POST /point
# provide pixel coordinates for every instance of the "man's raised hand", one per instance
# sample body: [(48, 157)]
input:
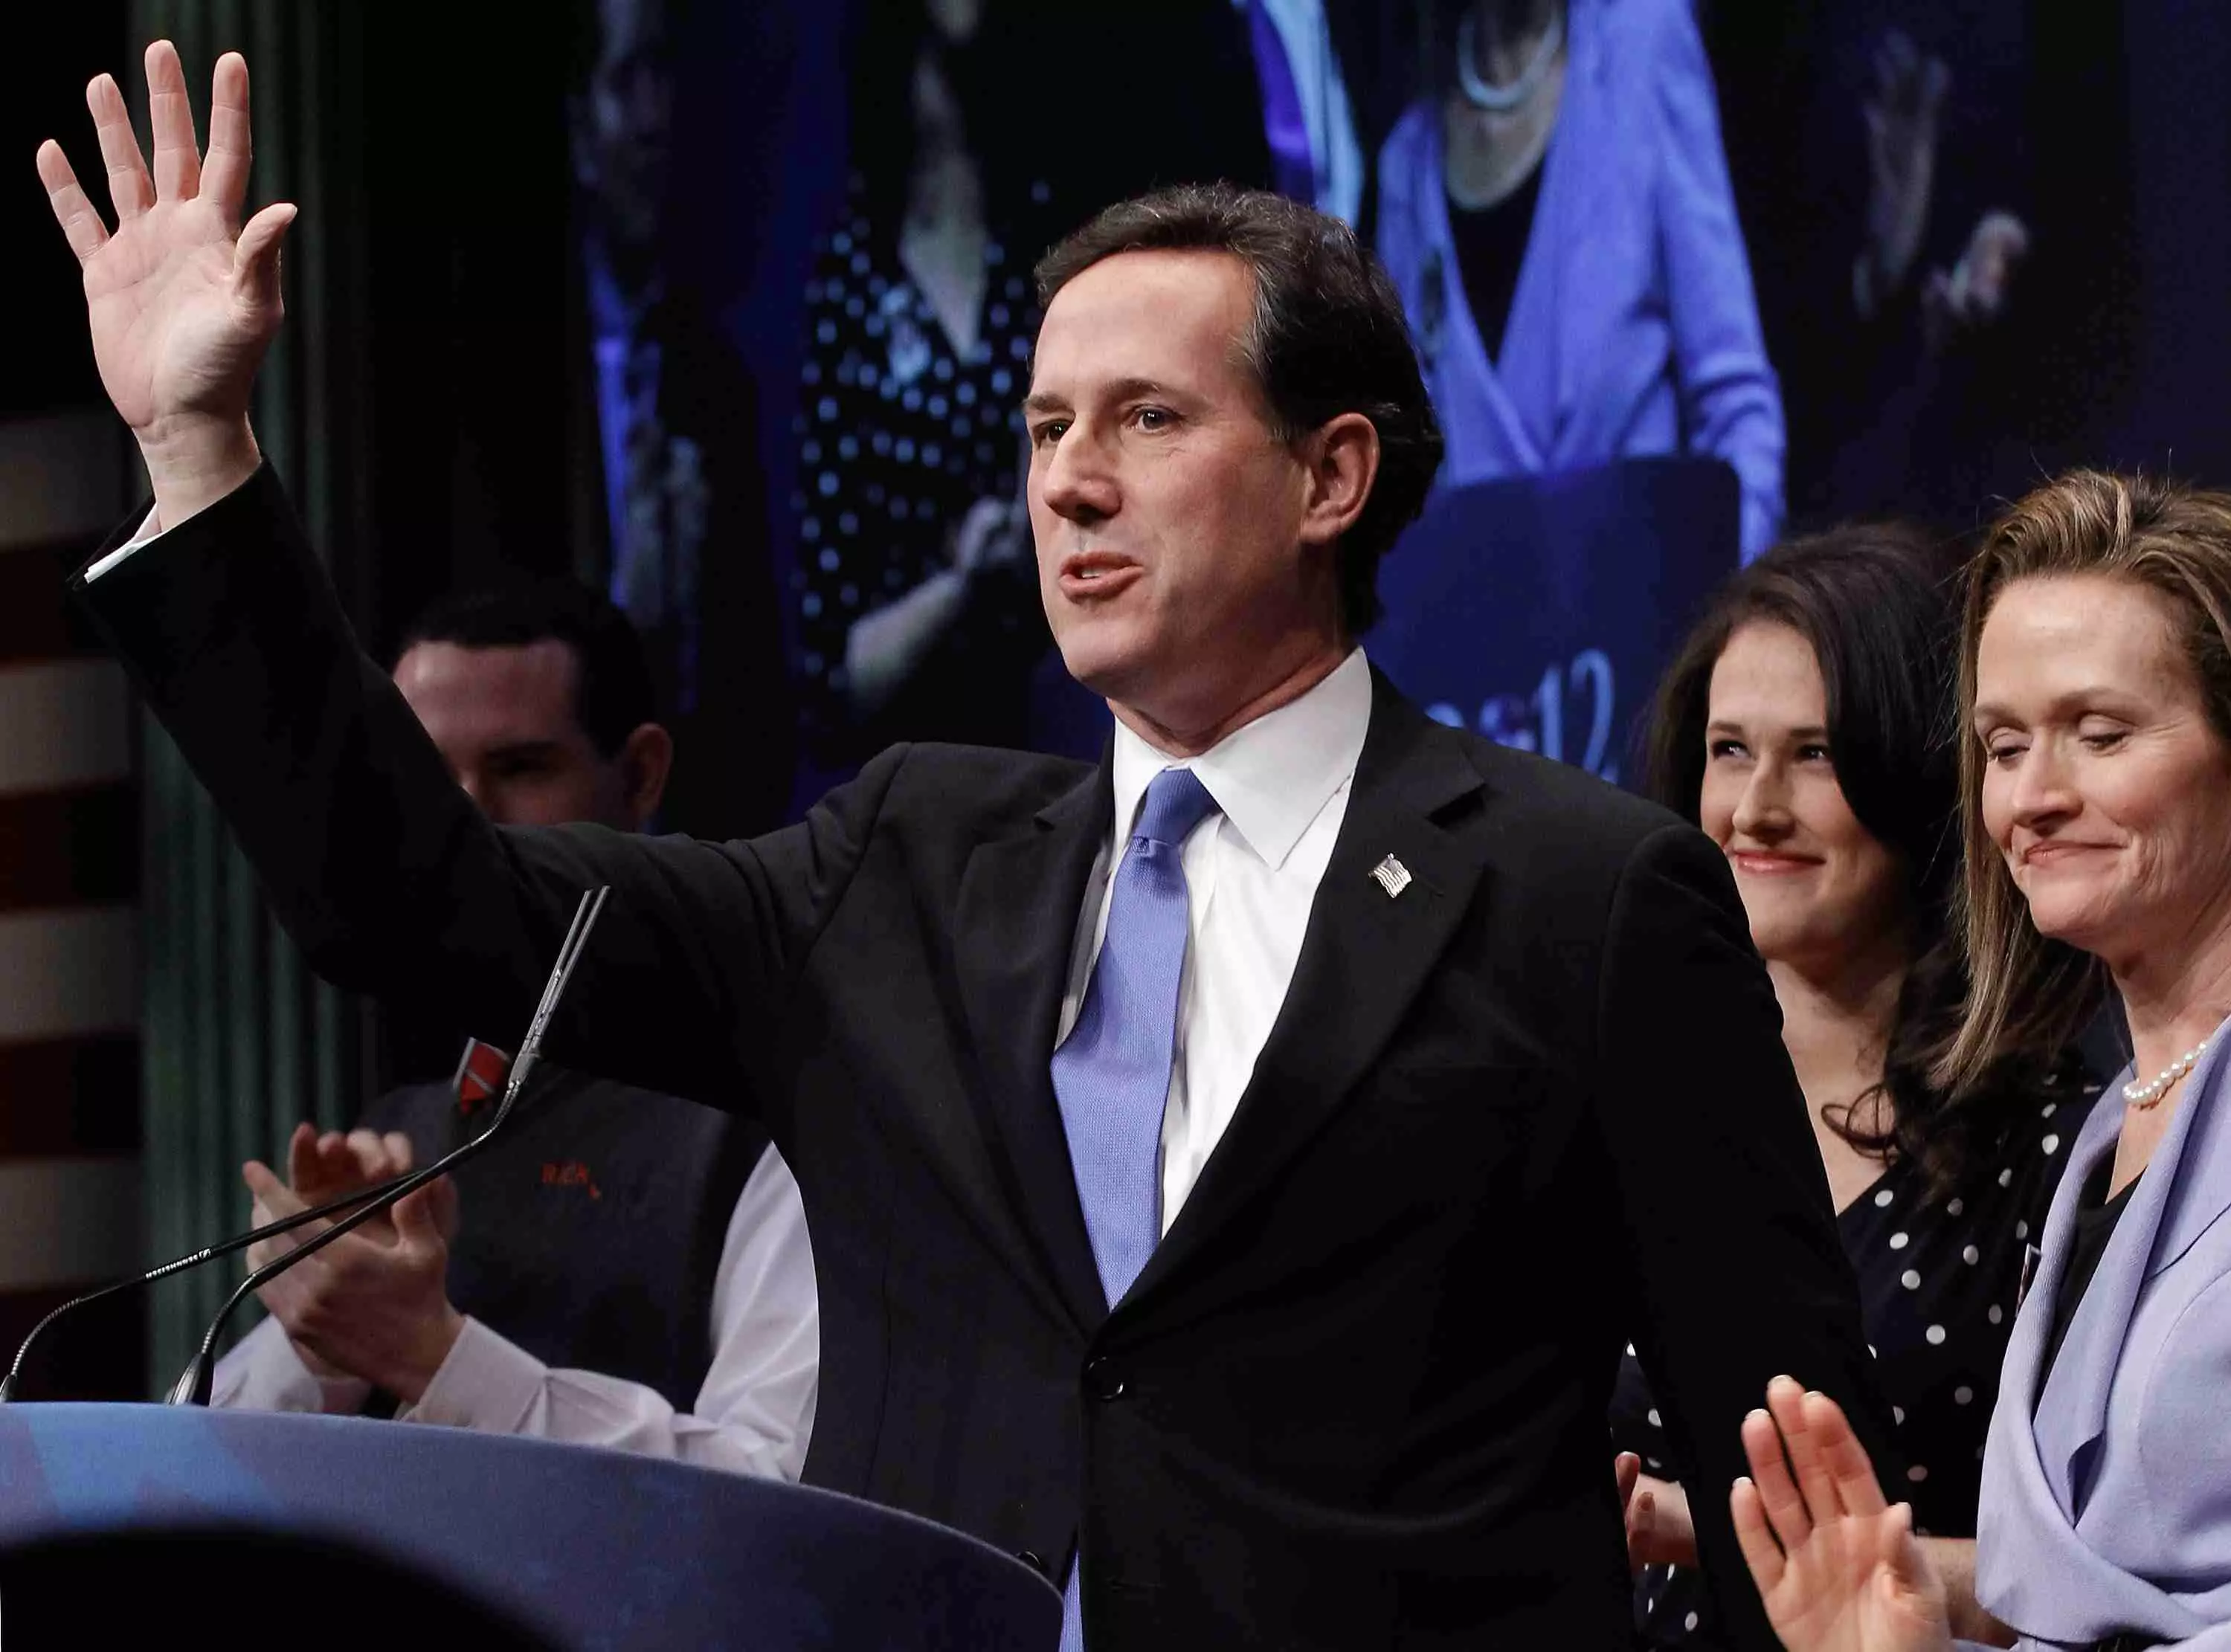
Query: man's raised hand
[(182, 298)]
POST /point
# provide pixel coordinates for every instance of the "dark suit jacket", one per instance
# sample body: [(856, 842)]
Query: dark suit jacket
[(1533, 1107)]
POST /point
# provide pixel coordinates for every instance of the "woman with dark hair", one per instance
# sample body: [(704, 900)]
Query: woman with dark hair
[(1805, 725)]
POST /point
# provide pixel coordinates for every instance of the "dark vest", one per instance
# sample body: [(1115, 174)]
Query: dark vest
[(591, 1232)]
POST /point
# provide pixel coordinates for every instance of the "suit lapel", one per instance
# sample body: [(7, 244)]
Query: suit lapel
[(1014, 929), (1364, 957), (2072, 1411)]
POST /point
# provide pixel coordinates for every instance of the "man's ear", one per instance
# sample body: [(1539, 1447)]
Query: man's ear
[(1343, 455), (646, 758)]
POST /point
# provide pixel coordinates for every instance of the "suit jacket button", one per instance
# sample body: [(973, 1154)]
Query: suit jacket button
[(1035, 1561), (1102, 1381)]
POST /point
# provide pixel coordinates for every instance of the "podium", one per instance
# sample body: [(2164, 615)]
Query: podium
[(564, 1545)]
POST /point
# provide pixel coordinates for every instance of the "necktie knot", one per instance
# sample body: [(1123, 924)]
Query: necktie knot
[(1176, 802)]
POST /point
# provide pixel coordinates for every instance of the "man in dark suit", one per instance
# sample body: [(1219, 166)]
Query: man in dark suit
[(1233, 1167)]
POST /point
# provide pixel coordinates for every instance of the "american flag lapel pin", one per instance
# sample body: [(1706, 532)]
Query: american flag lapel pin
[(1391, 875)]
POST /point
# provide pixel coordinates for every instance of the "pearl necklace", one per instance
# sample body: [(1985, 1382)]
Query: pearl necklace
[(2145, 1096), (1483, 94)]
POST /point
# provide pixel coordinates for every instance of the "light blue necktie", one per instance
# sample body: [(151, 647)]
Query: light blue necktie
[(1112, 1075)]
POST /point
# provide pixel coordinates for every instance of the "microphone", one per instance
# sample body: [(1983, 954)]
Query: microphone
[(480, 1075), (194, 1382)]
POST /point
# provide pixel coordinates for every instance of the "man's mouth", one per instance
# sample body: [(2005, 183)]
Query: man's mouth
[(1096, 574)]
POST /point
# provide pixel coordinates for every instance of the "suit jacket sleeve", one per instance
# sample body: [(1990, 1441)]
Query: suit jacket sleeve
[(394, 883), (1737, 1268)]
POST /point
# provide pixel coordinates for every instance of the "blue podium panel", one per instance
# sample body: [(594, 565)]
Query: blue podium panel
[(588, 1548), (1539, 612)]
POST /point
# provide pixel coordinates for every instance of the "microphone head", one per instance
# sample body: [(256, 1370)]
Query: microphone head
[(480, 1076)]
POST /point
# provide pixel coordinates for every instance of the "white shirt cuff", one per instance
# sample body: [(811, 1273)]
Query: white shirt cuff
[(487, 1383), (263, 1373), (150, 531)]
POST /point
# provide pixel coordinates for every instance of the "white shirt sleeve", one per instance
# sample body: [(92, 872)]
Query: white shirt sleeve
[(263, 1372), (150, 531), (754, 1414)]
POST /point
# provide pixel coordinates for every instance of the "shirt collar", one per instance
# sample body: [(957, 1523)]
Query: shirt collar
[(1272, 777)]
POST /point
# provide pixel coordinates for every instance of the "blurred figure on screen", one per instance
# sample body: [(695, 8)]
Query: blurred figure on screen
[(680, 509), (633, 1270), (1557, 215), (918, 611), (1307, 119), (1943, 199), (917, 605)]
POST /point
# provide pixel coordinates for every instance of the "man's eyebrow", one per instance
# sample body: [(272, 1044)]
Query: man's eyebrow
[(1126, 390), (1123, 390)]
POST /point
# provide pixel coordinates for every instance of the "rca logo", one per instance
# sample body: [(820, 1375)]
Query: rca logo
[(570, 1172)]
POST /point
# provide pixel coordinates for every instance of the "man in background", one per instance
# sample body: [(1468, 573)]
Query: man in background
[(630, 1269)]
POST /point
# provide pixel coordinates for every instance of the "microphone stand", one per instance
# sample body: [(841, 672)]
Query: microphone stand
[(285, 1225), (468, 1073), (194, 1384)]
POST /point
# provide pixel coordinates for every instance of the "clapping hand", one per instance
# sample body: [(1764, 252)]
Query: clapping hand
[(323, 1168), (374, 1303), (182, 297), (1838, 1568)]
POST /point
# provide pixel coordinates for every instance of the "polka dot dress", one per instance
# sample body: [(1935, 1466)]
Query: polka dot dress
[(1937, 1281), (899, 433)]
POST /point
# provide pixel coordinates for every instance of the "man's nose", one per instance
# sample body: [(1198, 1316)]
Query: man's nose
[(1077, 481)]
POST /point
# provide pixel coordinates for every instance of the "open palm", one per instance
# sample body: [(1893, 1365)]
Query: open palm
[(1838, 1568), (182, 299)]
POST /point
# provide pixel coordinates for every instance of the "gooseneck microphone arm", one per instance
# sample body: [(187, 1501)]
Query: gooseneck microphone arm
[(179, 1265), (473, 1073), (195, 1382)]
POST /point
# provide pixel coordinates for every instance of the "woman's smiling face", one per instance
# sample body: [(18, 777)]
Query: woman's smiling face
[(2106, 787), (1816, 884)]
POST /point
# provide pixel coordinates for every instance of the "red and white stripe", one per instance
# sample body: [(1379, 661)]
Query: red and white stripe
[(70, 1210)]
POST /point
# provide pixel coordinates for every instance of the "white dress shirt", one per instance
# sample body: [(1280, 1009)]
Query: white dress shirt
[(754, 1414), (1281, 785)]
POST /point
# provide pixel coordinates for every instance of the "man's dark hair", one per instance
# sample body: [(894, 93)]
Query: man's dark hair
[(1327, 338), (612, 692)]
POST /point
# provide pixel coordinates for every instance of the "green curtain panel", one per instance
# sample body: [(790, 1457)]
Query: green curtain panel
[(241, 1040)]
